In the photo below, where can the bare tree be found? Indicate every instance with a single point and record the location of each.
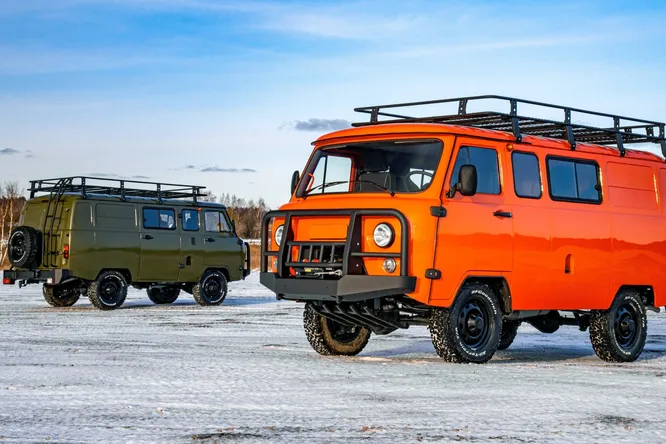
(10, 209)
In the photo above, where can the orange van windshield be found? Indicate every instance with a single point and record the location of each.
(396, 166)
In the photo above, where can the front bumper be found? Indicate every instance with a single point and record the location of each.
(349, 288)
(344, 258)
(56, 276)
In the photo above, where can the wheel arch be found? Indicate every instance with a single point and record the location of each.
(124, 271)
(646, 292)
(222, 269)
(498, 284)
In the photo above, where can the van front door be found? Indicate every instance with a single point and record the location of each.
(221, 248)
(475, 237)
(160, 245)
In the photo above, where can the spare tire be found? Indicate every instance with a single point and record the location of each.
(23, 247)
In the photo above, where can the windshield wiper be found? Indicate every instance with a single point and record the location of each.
(340, 182)
(327, 184)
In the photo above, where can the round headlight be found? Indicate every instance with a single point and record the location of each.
(383, 235)
(278, 235)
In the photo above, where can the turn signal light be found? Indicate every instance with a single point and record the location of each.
(65, 252)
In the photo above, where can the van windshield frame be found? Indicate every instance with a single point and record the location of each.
(396, 166)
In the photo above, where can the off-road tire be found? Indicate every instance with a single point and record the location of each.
(59, 296)
(163, 295)
(619, 333)
(322, 336)
(108, 291)
(509, 332)
(475, 309)
(25, 241)
(205, 291)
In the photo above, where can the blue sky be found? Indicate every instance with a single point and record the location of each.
(220, 93)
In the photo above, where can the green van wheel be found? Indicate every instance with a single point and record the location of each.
(108, 291)
(211, 289)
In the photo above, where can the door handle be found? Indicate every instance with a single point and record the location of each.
(209, 239)
(500, 213)
(146, 236)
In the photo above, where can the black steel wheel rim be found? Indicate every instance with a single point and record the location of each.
(474, 324)
(17, 246)
(109, 289)
(342, 333)
(626, 325)
(212, 289)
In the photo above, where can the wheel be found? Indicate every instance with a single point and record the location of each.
(618, 334)
(211, 289)
(23, 247)
(509, 332)
(469, 331)
(59, 295)
(109, 291)
(328, 337)
(163, 295)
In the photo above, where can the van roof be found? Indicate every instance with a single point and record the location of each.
(439, 128)
(608, 134)
(132, 199)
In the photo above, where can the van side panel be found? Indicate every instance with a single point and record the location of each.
(82, 242)
(638, 227)
(116, 237)
(660, 287)
(581, 254)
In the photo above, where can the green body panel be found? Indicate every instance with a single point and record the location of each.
(108, 233)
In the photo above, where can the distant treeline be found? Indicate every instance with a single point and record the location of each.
(246, 213)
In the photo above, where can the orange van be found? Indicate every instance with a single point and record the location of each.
(472, 222)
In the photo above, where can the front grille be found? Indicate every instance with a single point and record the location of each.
(326, 259)
(315, 258)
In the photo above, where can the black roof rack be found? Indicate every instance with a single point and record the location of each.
(620, 130)
(84, 186)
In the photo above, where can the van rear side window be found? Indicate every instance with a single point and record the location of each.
(163, 219)
(573, 180)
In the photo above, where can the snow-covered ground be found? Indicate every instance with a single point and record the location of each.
(243, 372)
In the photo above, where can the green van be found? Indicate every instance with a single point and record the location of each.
(97, 236)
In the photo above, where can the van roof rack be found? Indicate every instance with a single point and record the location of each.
(620, 131)
(85, 185)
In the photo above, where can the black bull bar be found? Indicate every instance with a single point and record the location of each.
(352, 284)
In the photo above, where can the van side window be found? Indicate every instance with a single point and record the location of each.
(487, 168)
(190, 220)
(161, 219)
(216, 222)
(526, 175)
(573, 180)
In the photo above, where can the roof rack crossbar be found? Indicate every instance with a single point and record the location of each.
(624, 130)
(85, 186)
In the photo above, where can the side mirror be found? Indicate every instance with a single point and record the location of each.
(294, 181)
(467, 182)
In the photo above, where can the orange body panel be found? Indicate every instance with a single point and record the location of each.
(554, 255)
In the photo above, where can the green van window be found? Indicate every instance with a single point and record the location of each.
(216, 222)
(164, 219)
(190, 219)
